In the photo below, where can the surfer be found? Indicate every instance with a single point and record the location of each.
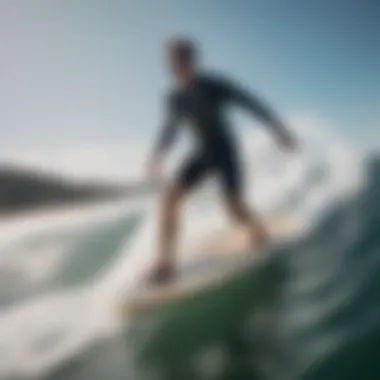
(200, 100)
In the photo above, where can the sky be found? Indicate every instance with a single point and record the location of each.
(81, 74)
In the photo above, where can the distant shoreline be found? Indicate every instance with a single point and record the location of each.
(24, 191)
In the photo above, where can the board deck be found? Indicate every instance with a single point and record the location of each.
(210, 262)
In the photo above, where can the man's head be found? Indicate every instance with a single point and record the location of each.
(182, 59)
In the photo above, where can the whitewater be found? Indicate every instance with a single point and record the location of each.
(62, 270)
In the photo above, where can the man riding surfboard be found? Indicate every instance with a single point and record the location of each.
(200, 100)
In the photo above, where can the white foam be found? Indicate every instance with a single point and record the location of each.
(42, 332)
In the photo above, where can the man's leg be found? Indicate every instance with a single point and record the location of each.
(168, 224)
(190, 175)
(232, 179)
(240, 213)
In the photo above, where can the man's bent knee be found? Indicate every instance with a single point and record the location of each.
(238, 210)
(173, 199)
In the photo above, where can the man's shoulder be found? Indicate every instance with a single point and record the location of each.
(212, 77)
(217, 80)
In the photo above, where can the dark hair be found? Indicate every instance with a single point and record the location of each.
(183, 47)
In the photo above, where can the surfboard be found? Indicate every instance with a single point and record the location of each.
(209, 262)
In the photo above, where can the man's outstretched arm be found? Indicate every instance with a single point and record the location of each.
(165, 139)
(169, 130)
(262, 111)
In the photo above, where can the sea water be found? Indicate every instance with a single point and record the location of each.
(61, 273)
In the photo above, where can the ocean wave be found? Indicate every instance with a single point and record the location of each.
(59, 280)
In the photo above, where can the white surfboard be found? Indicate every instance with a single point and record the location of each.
(210, 262)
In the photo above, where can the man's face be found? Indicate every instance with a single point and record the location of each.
(180, 65)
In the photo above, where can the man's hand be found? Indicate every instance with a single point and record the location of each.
(154, 169)
(286, 140)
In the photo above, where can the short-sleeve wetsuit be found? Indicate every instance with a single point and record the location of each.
(202, 105)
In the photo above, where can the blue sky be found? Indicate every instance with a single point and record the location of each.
(93, 70)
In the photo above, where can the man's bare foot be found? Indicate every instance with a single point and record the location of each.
(161, 274)
(259, 239)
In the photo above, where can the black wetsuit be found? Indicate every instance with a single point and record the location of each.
(202, 105)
